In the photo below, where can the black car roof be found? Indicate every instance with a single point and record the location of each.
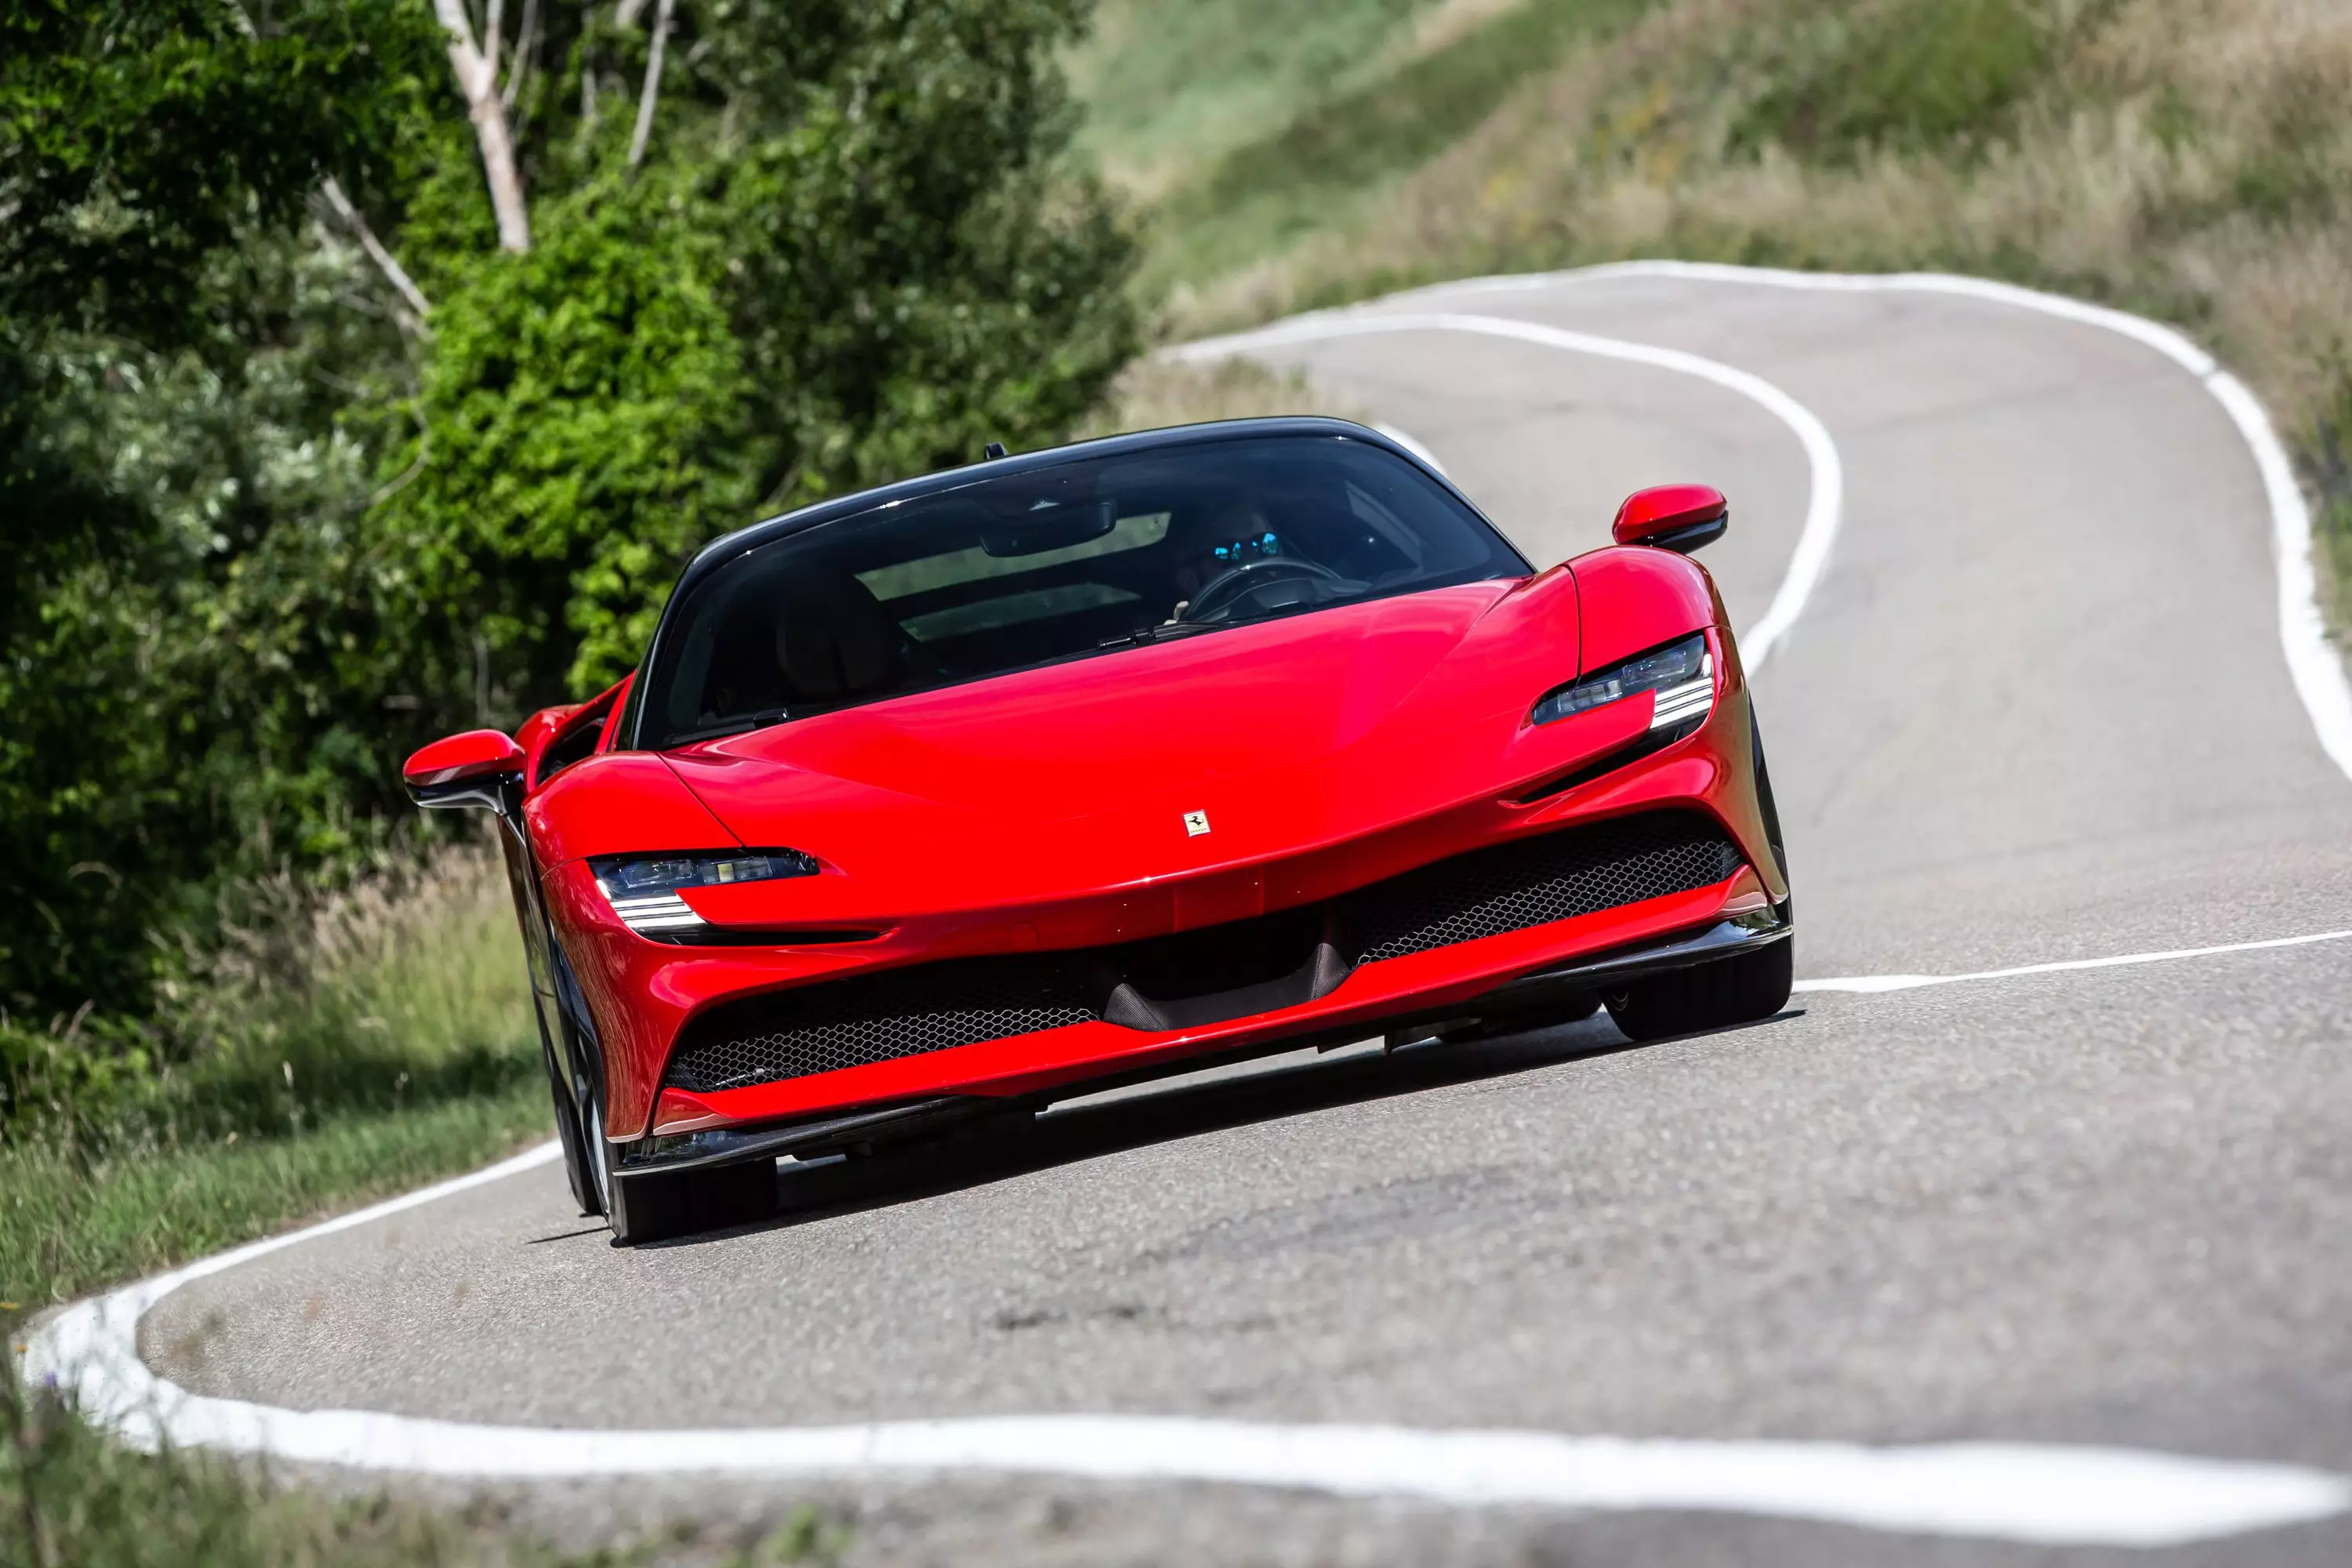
(725, 548)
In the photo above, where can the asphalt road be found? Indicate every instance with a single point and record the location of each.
(2035, 711)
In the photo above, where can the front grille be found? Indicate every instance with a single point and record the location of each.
(937, 1006)
(1510, 887)
(877, 1018)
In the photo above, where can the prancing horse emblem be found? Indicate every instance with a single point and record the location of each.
(1196, 823)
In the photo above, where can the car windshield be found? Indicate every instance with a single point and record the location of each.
(1080, 558)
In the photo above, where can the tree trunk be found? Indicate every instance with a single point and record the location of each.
(480, 83)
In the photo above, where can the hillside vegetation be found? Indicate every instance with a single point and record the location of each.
(2188, 158)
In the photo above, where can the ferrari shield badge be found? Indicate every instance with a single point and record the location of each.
(1196, 823)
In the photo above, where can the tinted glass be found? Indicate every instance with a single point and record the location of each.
(1081, 560)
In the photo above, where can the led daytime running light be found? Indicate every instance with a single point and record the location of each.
(1682, 674)
(644, 889)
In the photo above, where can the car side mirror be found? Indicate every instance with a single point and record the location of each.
(1673, 517)
(476, 768)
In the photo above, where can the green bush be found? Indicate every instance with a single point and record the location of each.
(270, 531)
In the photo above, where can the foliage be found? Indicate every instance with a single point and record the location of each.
(137, 140)
(271, 534)
(1313, 170)
(583, 428)
(853, 257)
(1902, 73)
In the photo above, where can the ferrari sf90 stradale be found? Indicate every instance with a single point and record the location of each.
(1058, 771)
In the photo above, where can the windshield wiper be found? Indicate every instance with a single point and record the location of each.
(1166, 631)
(759, 720)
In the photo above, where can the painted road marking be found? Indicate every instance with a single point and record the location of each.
(2314, 665)
(1875, 982)
(1824, 507)
(2042, 1494)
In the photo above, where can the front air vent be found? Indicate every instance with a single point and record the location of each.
(1206, 976)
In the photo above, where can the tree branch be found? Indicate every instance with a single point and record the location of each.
(627, 12)
(385, 263)
(393, 273)
(653, 86)
(480, 83)
(526, 48)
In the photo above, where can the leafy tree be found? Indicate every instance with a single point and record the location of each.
(836, 243)
(286, 492)
(152, 158)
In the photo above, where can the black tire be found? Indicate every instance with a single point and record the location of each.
(1770, 807)
(577, 1166)
(657, 1207)
(1738, 990)
(574, 1076)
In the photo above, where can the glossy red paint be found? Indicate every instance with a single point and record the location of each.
(1666, 508)
(1045, 809)
(454, 759)
(1632, 599)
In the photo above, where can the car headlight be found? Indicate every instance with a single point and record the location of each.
(643, 888)
(1682, 674)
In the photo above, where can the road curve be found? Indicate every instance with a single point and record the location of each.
(2034, 711)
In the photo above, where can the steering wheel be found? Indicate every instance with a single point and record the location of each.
(1222, 590)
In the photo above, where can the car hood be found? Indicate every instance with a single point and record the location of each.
(1078, 777)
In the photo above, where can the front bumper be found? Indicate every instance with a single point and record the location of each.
(914, 1118)
(649, 1000)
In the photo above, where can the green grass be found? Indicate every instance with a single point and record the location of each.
(336, 1050)
(71, 1223)
(1331, 161)
(1172, 88)
(2189, 160)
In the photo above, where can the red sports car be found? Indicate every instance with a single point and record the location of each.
(1005, 783)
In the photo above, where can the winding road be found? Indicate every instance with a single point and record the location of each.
(2032, 708)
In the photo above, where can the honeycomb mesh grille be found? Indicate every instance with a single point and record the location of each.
(854, 1023)
(927, 1008)
(1577, 871)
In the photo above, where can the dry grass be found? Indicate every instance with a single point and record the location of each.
(1153, 393)
(335, 1049)
(2187, 158)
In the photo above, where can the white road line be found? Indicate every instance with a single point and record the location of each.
(1870, 984)
(1825, 508)
(1415, 448)
(2042, 1494)
(2313, 662)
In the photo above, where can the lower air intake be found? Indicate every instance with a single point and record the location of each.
(1533, 881)
(876, 1018)
(881, 1018)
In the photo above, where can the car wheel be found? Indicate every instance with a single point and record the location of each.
(1770, 807)
(568, 1133)
(1737, 990)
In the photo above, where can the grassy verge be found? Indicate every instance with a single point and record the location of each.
(2191, 160)
(69, 1497)
(1156, 393)
(337, 1050)
(71, 1223)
